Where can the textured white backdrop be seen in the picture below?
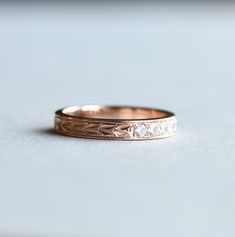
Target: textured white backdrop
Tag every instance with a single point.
(180, 58)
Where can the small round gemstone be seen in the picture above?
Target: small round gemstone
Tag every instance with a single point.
(140, 130)
(170, 126)
(164, 127)
(174, 125)
(153, 129)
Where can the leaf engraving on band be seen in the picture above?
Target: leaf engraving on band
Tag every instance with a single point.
(94, 128)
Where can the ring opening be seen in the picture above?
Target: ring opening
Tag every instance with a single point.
(102, 112)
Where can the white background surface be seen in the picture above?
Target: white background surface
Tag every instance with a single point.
(175, 57)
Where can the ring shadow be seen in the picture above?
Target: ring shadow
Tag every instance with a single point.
(52, 132)
(48, 131)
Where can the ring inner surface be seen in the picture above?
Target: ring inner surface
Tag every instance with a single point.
(114, 112)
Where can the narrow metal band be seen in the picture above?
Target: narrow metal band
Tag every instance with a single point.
(115, 123)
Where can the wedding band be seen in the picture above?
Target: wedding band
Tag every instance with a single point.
(115, 122)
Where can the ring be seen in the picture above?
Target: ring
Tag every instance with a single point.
(115, 122)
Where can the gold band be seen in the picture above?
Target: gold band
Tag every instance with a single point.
(115, 122)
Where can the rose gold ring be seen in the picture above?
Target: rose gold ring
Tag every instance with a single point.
(115, 122)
